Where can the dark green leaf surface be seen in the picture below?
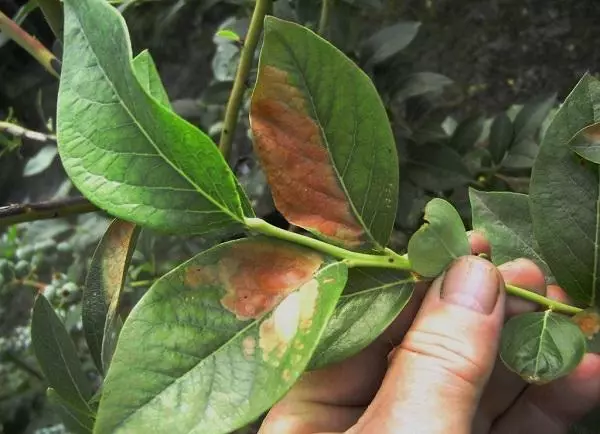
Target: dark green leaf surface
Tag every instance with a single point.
(372, 299)
(501, 135)
(439, 241)
(324, 139)
(467, 134)
(103, 286)
(564, 198)
(57, 356)
(587, 143)
(125, 151)
(436, 167)
(76, 421)
(421, 83)
(389, 41)
(504, 218)
(530, 118)
(219, 339)
(541, 346)
(522, 155)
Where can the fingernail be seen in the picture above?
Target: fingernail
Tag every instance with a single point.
(473, 283)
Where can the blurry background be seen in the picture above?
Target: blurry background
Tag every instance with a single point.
(446, 70)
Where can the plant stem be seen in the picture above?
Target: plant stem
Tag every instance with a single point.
(19, 131)
(53, 12)
(30, 44)
(12, 214)
(553, 305)
(239, 84)
(324, 18)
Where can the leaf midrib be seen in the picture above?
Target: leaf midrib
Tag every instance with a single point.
(141, 129)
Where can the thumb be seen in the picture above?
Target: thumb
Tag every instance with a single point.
(437, 374)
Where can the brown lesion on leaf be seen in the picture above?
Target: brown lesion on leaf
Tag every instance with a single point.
(248, 347)
(288, 141)
(589, 323)
(258, 275)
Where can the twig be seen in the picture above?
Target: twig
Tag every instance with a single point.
(19, 131)
(324, 18)
(12, 214)
(239, 84)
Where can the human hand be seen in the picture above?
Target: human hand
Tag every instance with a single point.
(436, 369)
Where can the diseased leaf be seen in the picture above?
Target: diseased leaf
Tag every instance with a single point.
(372, 299)
(541, 346)
(439, 241)
(587, 143)
(332, 170)
(41, 161)
(148, 77)
(505, 220)
(530, 118)
(57, 356)
(389, 41)
(501, 136)
(467, 134)
(564, 198)
(102, 291)
(76, 421)
(220, 338)
(112, 135)
(436, 167)
(588, 322)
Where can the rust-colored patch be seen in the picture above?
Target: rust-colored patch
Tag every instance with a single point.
(196, 275)
(589, 323)
(288, 141)
(258, 275)
(248, 347)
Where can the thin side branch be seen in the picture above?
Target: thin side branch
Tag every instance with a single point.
(18, 131)
(13, 214)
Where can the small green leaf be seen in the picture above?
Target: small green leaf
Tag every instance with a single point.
(587, 143)
(501, 136)
(439, 241)
(588, 322)
(541, 346)
(229, 35)
(219, 339)
(372, 299)
(102, 291)
(389, 41)
(521, 155)
(145, 71)
(57, 356)
(530, 118)
(112, 134)
(324, 139)
(505, 220)
(77, 421)
(436, 167)
(420, 83)
(41, 161)
(467, 134)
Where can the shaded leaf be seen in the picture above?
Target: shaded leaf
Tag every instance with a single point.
(102, 291)
(564, 197)
(111, 134)
(76, 420)
(57, 356)
(220, 338)
(420, 83)
(145, 71)
(587, 143)
(467, 134)
(411, 202)
(505, 220)
(436, 167)
(372, 299)
(332, 170)
(588, 322)
(541, 346)
(439, 241)
(388, 41)
(530, 118)
(501, 135)
(41, 161)
(521, 155)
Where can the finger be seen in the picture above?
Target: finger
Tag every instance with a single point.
(554, 407)
(504, 385)
(446, 357)
(479, 244)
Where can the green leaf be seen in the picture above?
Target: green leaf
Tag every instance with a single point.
(564, 197)
(372, 299)
(541, 346)
(439, 241)
(388, 41)
(324, 139)
(587, 143)
(504, 218)
(522, 155)
(102, 291)
(77, 421)
(436, 167)
(112, 134)
(57, 356)
(145, 71)
(501, 136)
(420, 83)
(229, 35)
(41, 161)
(467, 134)
(530, 118)
(588, 322)
(219, 339)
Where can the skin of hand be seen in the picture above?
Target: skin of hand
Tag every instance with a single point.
(436, 368)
